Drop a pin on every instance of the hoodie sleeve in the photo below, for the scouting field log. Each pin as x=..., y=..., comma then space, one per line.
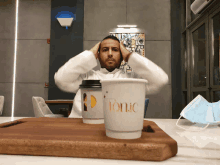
x=146, y=69
x=70, y=75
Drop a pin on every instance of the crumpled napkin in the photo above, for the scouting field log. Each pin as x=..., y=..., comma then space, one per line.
x=201, y=139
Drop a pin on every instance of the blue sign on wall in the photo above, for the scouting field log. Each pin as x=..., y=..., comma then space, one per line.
x=66, y=14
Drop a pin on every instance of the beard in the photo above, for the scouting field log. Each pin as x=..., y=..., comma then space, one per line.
x=110, y=66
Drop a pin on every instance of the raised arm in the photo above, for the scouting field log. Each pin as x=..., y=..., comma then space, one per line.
x=146, y=69
x=70, y=75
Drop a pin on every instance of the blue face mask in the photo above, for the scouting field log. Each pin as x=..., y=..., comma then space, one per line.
x=199, y=110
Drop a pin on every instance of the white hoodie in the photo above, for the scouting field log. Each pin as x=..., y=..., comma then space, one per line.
x=70, y=75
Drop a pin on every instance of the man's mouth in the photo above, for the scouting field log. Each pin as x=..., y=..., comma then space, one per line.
x=110, y=60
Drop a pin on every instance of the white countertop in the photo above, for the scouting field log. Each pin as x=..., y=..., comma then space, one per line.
x=188, y=152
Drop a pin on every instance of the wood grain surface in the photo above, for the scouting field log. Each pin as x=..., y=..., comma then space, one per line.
x=69, y=137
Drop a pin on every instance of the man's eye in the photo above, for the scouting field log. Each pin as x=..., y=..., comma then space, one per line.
x=115, y=50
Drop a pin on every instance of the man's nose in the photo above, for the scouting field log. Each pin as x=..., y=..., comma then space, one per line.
x=110, y=52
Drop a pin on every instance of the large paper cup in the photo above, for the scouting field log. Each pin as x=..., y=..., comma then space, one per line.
x=92, y=106
x=123, y=105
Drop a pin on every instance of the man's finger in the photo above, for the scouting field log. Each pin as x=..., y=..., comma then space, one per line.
x=122, y=44
x=123, y=47
x=97, y=45
x=95, y=49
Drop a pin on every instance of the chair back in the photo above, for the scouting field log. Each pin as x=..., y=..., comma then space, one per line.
x=40, y=107
x=1, y=104
x=145, y=108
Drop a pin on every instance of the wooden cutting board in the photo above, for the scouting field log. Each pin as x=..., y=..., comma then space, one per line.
x=69, y=137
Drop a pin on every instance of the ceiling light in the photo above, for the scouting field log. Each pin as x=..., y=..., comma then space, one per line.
x=126, y=26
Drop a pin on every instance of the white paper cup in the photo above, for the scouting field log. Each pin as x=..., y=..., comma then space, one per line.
x=123, y=105
x=92, y=102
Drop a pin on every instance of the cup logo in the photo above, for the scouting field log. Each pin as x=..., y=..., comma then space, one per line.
x=114, y=106
x=93, y=101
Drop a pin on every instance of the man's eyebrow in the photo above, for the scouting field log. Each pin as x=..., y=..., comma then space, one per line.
x=108, y=47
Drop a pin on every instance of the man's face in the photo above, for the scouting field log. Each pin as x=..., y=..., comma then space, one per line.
x=109, y=55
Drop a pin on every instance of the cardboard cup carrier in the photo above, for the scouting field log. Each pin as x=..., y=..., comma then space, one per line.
x=92, y=102
x=123, y=106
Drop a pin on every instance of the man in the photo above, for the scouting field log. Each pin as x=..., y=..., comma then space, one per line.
x=110, y=52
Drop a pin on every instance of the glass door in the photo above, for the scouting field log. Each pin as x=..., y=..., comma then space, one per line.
x=214, y=46
x=199, y=60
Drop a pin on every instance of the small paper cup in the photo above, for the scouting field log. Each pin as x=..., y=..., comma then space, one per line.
x=123, y=106
x=92, y=106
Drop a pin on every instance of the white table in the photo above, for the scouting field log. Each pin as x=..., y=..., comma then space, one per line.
x=188, y=152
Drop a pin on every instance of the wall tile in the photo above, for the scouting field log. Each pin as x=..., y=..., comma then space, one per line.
x=159, y=52
x=34, y=19
x=102, y=16
x=6, y=91
x=7, y=19
x=32, y=55
x=23, y=98
x=151, y=16
x=6, y=60
x=160, y=105
x=33, y=61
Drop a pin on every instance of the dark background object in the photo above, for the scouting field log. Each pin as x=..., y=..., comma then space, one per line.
x=176, y=58
x=64, y=44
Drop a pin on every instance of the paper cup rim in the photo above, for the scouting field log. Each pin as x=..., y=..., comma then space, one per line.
x=124, y=80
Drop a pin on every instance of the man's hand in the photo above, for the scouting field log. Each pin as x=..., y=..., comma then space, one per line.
x=125, y=53
x=95, y=49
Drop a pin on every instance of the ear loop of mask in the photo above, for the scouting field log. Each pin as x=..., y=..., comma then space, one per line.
x=201, y=129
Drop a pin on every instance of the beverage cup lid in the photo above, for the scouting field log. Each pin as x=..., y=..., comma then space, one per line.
x=90, y=84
